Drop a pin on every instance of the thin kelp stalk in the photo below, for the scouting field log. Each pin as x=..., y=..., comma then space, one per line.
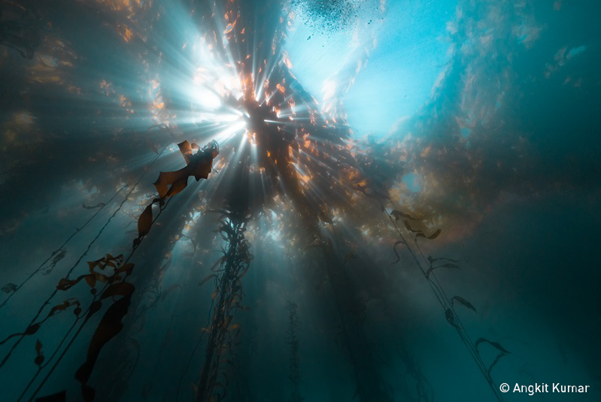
x=33, y=326
x=370, y=385
x=423, y=388
x=56, y=255
x=199, y=165
x=292, y=337
x=110, y=324
x=442, y=298
x=229, y=271
x=20, y=28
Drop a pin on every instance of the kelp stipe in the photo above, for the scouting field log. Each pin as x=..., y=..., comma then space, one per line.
x=113, y=285
x=56, y=256
x=447, y=304
x=294, y=366
x=227, y=297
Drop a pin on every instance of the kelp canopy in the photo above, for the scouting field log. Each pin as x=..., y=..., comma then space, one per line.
x=297, y=200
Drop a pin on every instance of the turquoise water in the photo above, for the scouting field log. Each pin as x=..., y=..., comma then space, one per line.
x=349, y=133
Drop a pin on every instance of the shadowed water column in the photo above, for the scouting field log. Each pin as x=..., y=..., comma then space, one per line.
x=292, y=337
x=369, y=382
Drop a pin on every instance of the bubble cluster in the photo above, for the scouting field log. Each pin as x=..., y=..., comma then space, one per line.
x=334, y=15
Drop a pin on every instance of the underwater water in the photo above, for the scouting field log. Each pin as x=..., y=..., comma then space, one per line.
x=269, y=200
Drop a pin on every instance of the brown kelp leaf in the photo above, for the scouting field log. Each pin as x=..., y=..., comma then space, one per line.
x=398, y=257
x=227, y=321
x=90, y=280
x=99, y=205
x=447, y=265
x=58, y=397
x=199, y=165
x=431, y=237
x=109, y=326
x=432, y=259
x=65, y=283
x=9, y=287
x=167, y=179
x=94, y=308
x=408, y=227
x=464, y=302
x=217, y=263
x=110, y=261
x=244, y=273
x=420, y=233
x=106, y=261
x=495, y=345
x=186, y=150
x=494, y=363
x=118, y=289
x=450, y=316
x=62, y=307
x=401, y=215
x=127, y=268
x=38, y=350
x=58, y=255
x=32, y=329
x=205, y=280
x=145, y=221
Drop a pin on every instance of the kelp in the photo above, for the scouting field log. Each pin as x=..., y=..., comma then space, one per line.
x=227, y=297
x=99, y=205
x=398, y=215
x=9, y=288
x=109, y=326
x=496, y=345
x=108, y=282
x=464, y=302
x=198, y=164
x=171, y=183
x=57, y=255
x=293, y=343
x=58, y=397
x=423, y=388
x=398, y=257
x=419, y=233
x=34, y=327
x=20, y=28
x=351, y=337
x=451, y=317
x=95, y=276
x=39, y=358
x=445, y=265
x=110, y=272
